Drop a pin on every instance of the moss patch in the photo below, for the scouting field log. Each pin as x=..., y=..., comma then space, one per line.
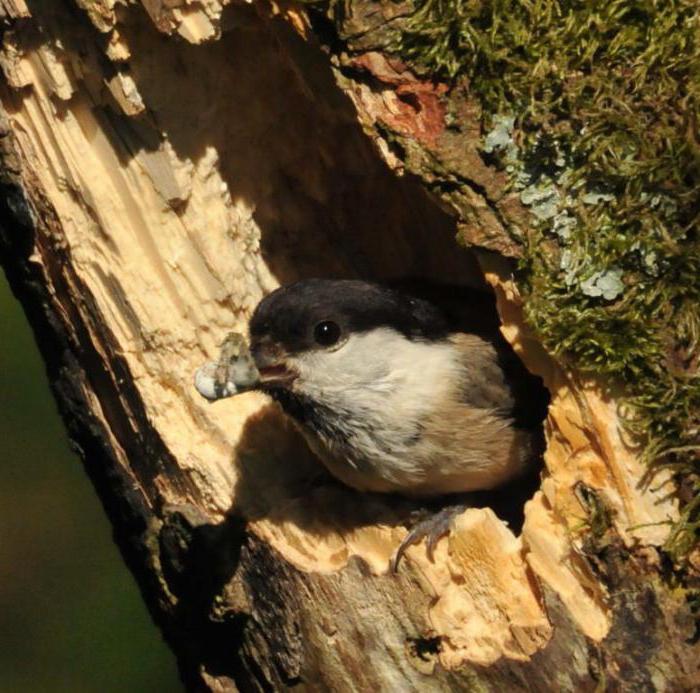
x=593, y=110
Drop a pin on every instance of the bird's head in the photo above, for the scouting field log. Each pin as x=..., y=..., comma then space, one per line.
x=320, y=334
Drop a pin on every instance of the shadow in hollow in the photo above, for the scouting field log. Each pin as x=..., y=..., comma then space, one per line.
x=263, y=109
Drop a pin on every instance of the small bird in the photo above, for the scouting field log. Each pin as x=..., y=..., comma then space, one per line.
x=390, y=398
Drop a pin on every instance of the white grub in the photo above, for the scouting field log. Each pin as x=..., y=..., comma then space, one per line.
x=233, y=373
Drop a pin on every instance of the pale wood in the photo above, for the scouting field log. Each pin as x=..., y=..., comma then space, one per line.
x=164, y=167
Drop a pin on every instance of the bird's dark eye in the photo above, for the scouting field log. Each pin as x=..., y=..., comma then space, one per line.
x=327, y=333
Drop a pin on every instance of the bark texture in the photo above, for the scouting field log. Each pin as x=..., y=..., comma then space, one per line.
x=164, y=164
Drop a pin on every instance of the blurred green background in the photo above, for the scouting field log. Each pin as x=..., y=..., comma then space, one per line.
x=71, y=617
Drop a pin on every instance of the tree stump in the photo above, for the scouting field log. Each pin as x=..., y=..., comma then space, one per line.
x=165, y=164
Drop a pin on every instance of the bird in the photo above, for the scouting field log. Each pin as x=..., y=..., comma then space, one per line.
x=392, y=398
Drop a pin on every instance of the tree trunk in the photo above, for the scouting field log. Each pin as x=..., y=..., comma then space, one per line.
x=165, y=164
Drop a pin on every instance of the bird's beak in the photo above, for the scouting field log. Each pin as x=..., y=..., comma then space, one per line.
x=271, y=361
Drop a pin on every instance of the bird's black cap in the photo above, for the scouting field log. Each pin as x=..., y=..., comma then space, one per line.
x=289, y=314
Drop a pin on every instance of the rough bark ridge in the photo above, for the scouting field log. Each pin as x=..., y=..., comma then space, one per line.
x=164, y=165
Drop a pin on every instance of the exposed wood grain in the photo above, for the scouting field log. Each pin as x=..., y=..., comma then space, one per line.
x=164, y=166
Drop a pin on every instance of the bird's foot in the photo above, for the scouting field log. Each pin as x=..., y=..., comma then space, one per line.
x=433, y=528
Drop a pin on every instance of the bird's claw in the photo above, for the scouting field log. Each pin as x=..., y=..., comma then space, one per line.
x=432, y=529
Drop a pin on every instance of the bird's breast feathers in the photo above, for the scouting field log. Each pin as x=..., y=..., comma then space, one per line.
x=385, y=413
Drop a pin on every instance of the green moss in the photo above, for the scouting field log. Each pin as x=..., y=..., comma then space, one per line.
x=593, y=108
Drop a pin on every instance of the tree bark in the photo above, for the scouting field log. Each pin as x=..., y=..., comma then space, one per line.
x=167, y=163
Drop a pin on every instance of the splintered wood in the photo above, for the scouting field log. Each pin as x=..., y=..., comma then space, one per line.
x=180, y=160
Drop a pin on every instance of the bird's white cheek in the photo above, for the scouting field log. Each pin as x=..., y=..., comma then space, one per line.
x=377, y=370
x=359, y=362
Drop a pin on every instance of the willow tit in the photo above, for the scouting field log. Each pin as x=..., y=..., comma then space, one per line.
x=389, y=397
